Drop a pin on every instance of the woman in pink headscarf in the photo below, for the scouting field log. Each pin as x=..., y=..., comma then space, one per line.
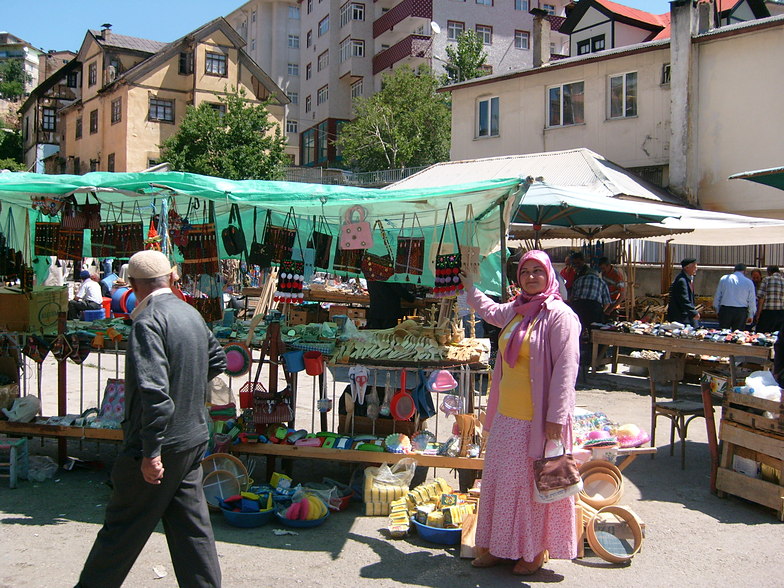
x=531, y=402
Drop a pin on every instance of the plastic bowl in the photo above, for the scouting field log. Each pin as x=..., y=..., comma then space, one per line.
x=296, y=523
x=435, y=535
x=247, y=520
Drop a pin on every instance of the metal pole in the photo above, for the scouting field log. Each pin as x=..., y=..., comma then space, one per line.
x=502, y=229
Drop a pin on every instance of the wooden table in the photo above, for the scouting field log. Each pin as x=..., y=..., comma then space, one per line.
x=670, y=345
x=60, y=431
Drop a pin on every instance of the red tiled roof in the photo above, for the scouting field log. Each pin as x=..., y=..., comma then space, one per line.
x=665, y=32
x=726, y=4
x=633, y=13
x=556, y=22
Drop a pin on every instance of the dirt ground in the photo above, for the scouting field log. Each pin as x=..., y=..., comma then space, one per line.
x=693, y=538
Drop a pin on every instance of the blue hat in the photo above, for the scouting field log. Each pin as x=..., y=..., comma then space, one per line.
x=84, y=275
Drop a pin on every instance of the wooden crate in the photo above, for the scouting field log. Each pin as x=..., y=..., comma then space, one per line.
x=746, y=433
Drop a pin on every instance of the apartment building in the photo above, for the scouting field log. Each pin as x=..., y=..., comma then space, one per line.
x=12, y=47
x=133, y=94
x=325, y=53
x=675, y=109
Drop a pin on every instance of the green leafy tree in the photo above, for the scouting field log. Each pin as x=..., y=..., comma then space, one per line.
x=406, y=124
x=13, y=78
x=10, y=146
x=11, y=165
x=237, y=144
x=465, y=60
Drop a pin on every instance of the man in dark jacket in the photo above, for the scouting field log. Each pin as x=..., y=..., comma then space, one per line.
x=681, y=307
x=171, y=356
x=385, y=303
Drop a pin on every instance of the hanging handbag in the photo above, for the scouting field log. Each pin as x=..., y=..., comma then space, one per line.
x=552, y=473
x=448, y=281
x=307, y=255
x=378, y=268
x=77, y=216
x=102, y=239
x=469, y=252
x=46, y=237
x=129, y=236
x=355, y=234
x=279, y=240
x=70, y=244
x=290, y=280
x=348, y=261
x=258, y=255
x=233, y=236
x=410, y=257
x=200, y=255
x=321, y=242
x=178, y=225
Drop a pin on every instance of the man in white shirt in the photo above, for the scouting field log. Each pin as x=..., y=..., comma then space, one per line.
x=735, y=300
x=88, y=297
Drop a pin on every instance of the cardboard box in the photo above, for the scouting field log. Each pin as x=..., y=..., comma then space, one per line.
x=35, y=311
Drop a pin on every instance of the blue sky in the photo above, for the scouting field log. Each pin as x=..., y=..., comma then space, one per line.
x=51, y=24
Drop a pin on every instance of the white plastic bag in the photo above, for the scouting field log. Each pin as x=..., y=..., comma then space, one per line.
x=218, y=392
x=400, y=474
x=23, y=410
x=41, y=468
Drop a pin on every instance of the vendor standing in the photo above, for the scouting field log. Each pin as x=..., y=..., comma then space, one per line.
x=89, y=296
x=681, y=307
x=385, y=303
x=616, y=284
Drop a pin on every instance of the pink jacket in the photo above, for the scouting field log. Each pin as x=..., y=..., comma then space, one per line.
x=555, y=359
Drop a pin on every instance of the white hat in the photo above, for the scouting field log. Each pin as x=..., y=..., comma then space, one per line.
x=148, y=264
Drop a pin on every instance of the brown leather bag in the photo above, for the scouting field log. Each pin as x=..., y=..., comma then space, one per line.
x=552, y=473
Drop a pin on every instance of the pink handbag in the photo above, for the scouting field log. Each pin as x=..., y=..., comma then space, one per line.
x=355, y=235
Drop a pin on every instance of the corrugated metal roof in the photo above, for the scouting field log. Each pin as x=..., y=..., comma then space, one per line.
x=574, y=167
x=126, y=42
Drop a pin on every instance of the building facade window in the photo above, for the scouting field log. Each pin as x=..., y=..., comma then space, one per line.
x=161, y=110
x=591, y=45
x=218, y=107
x=116, y=110
x=253, y=16
x=323, y=136
x=77, y=166
x=521, y=39
x=357, y=88
x=93, y=165
x=597, y=43
x=253, y=44
x=521, y=5
x=216, y=64
x=623, y=95
x=293, y=69
x=487, y=117
x=454, y=29
x=323, y=26
x=78, y=128
x=110, y=162
x=294, y=12
x=549, y=9
x=48, y=120
x=93, y=122
x=485, y=33
x=293, y=96
x=72, y=81
x=351, y=11
x=308, y=104
x=308, y=155
x=322, y=95
x=566, y=104
x=308, y=71
x=186, y=63
x=293, y=41
x=323, y=60
x=92, y=74
x=485, y=2
x=665, y=77
x=310, y=6
x=291, y=126
x=309, y=39
x=351, y=48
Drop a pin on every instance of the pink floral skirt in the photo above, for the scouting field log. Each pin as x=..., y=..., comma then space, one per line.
x=511, y=523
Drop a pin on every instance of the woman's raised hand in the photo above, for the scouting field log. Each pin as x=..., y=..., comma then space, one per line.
x=467, y=279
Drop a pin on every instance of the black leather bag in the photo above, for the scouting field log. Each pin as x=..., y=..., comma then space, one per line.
x=258, y=255
x=233, y=236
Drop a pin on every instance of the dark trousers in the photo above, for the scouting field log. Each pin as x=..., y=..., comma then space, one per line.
x=77, y=306
x=733, y=317
x=770, y=321
x=133, y=512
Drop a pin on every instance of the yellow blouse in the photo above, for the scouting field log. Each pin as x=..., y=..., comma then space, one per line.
x=514, y=399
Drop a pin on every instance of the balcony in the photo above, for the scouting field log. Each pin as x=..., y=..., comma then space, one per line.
x=417, y=46
x=404, y=10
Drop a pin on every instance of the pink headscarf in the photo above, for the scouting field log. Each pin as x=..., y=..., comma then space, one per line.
x=529, y=305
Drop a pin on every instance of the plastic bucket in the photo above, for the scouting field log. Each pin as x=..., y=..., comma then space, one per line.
x=294, y=361
x=107, y=307
x=128, y=301
x=117, y=295
x=314, y=363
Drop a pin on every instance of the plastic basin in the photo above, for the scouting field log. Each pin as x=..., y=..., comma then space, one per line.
x=436, y=535
x=248, y=520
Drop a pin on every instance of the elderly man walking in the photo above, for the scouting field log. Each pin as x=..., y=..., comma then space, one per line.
x=735, y=300
x=770, y=302
x=171, y=356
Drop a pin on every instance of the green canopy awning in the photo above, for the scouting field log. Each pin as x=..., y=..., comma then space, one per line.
x=773, y=177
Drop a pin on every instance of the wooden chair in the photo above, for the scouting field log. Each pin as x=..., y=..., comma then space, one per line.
x=680, y=412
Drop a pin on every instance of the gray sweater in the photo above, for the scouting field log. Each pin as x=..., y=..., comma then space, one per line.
x=170, y=358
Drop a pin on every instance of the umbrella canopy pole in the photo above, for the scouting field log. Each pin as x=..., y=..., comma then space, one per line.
x=502, y=228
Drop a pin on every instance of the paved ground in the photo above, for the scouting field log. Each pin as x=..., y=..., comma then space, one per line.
x=693, y=537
